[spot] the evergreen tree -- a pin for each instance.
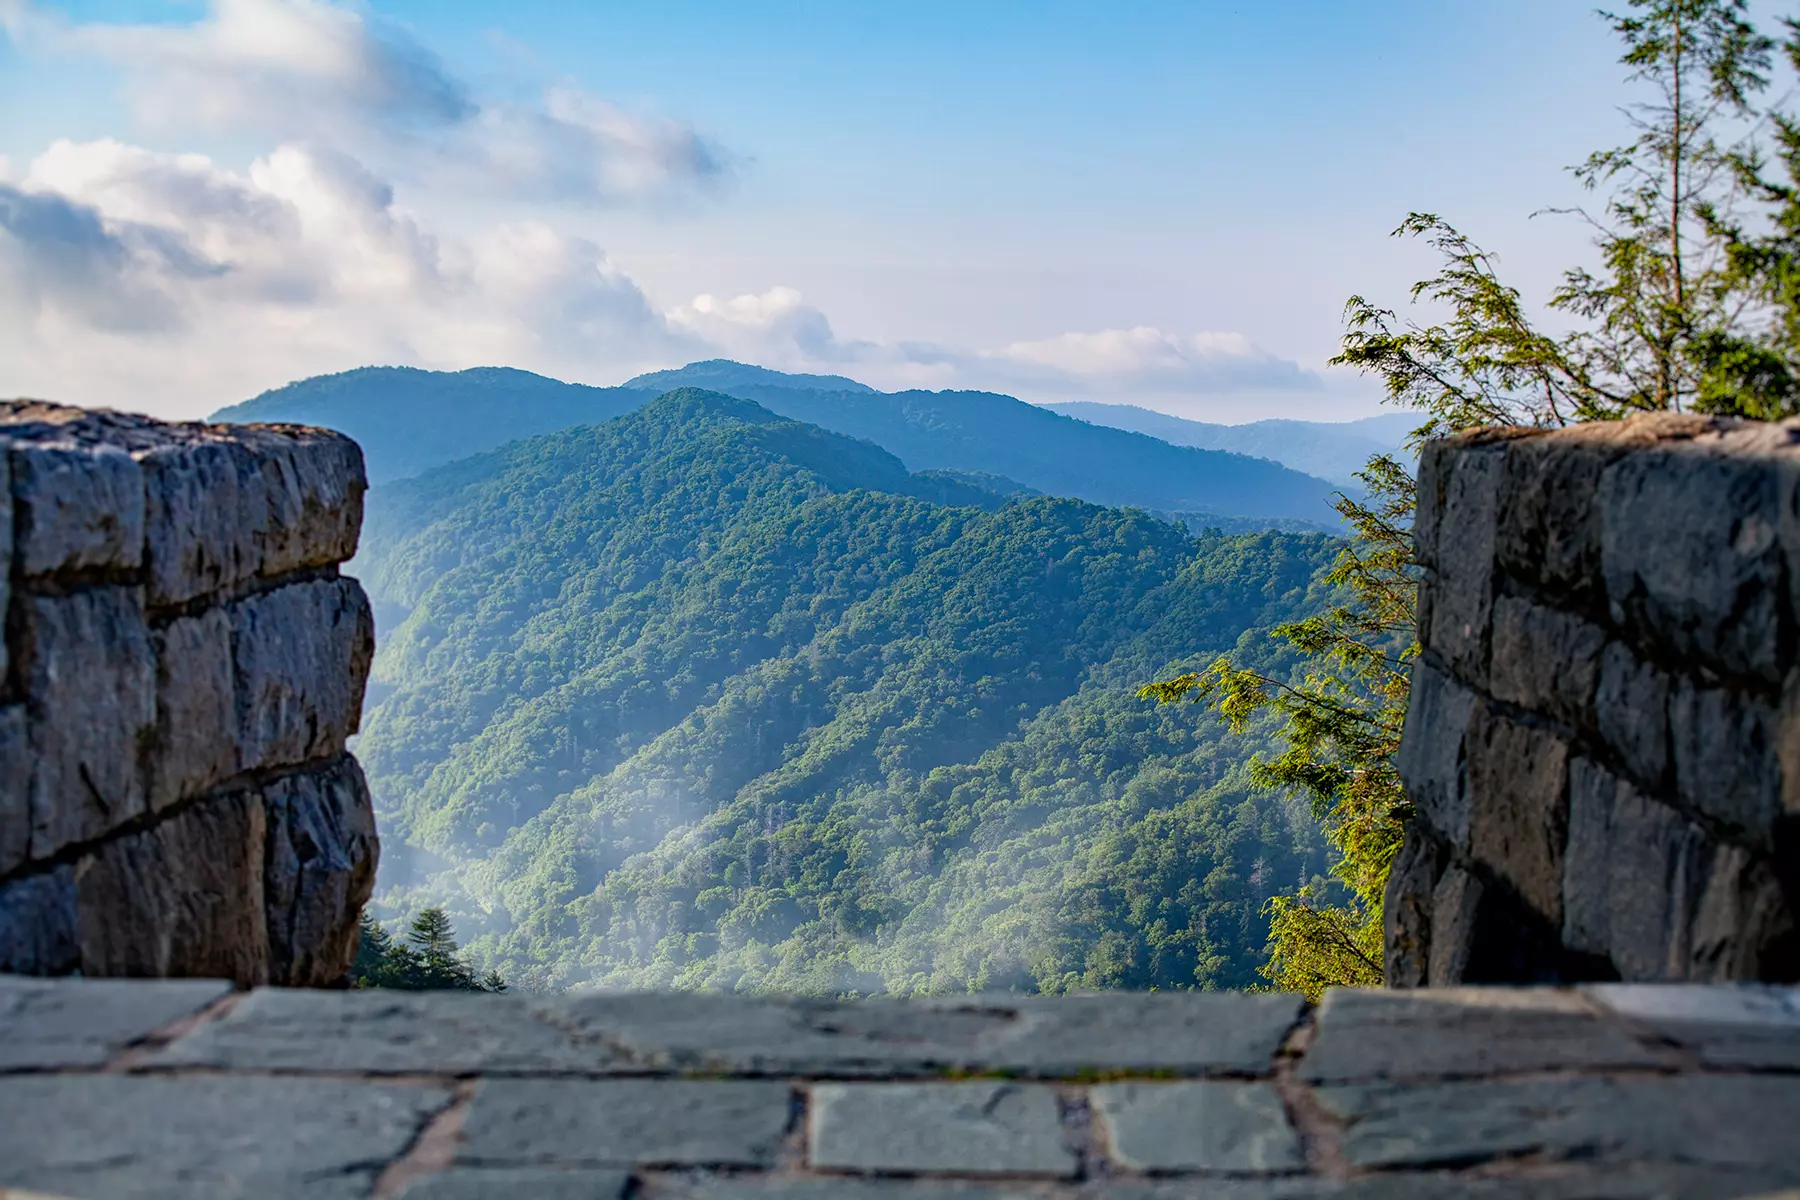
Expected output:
(428, 960)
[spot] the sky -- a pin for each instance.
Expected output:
(1163, 204)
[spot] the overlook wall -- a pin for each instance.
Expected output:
(182, 664)
(1603, 743)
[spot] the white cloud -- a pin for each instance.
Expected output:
(1149, 359)
(167, 282)
(314, 71)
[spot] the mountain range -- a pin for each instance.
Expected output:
(704, 696)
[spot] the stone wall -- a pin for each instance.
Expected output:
(1603, 743)
(182, 664)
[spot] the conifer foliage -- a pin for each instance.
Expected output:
(427, 960)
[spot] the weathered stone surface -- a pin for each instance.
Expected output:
(275, 1029)
(1406, 910)
(1743, 1026)
(1464, 1032)
(183, 897)
(38, 925)
(1632, 875)
(1631, 706)
(85, 1022)
(1455, 905)
(1546, 661)
(78, 508)
(1724, 747)
(1238, 1128)
(972, 1128)
(95, 1135)
(15, 787)
(318, 872)
(201, 515)
(1708, 585)
(91, 700)
(706, 1185)
(1519, 806)
(1746, 926)
(312, 484)
(1456, 593)
(302, 654)
(682, 1122)
(1547, 525)
(196, 709)
(486, 1183)
(1431, 759)
(1728, 1121)
(1044, 1037)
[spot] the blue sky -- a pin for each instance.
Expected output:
(1151, 203)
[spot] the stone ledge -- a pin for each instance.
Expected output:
(186, 1089)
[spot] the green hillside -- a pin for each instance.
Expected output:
(705, 697)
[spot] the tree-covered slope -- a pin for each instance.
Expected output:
(724, 375)
(408, 420)
(705, 697)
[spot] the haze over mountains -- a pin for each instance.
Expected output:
(703, 696)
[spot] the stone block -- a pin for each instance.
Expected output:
(1456, 591)
(1631, 710)
(38, 926)
(1431, 759)
(1464, 1032)
(679, 1122)
(85, 1022)
(972, 1128)
(203, 500)
(15, 787)
(90, 684)
(312, 483)
(1691, 559)
(196, 709)
(1724, 1121)
(183, 897)
(1547, 524)
(1748, 1026)
(1727, 764)
(1518, 790)
(1228, 1127)
(1406, 910)
(318, 872)
(527, 1183)
(392, 1033)
(100, 1135)
(1630, 876)
(1746, 927)
(1047, 1037)
(1455, 905)
(1545, 661)
(302, 654)
(77, 508)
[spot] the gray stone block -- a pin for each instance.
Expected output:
(1406, 911)
(196, 708)
(39, 932)
(972, 1128)
(707, 1185)
(1456, 592)
(1457, 1032)
(91, 699)
(1745, 926)
(1048, 1037)
(1729, 1121)
(1631, 876)
(183, 897)
(378, 1031)
(1431, 759)
(1724, 745)
(1748, 1026)
(125, 1136)
(203, 501)
(1228, 1127)
(1548, 527)
(1518, 795)
(312, 483)
(302, 654)
(682, 1122)
(318, 872)
(480, 1183)
(77, 508)
(85, 1022)
(1691, 558)
(1545, 661)
(15, 787)
(1631, 708)
(1455, 903)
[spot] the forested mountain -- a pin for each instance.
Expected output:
(724, 375)
(1332, 450)
(409, 420)
(706, 697)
